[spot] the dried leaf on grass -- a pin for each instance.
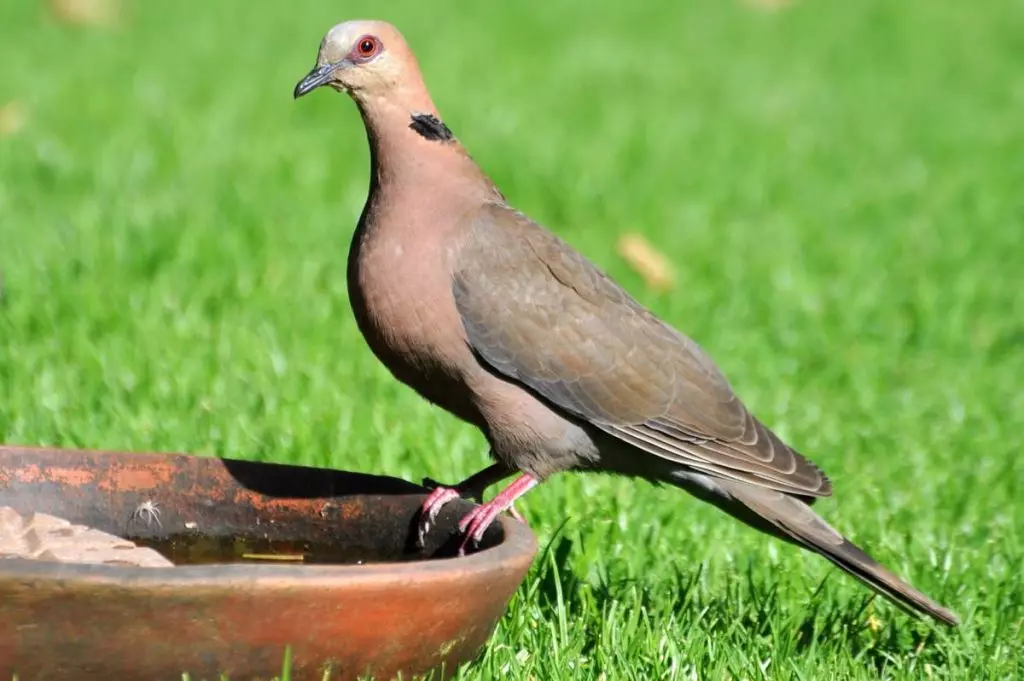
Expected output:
(13, 117)
(768, 5)
(651, 265)
(101, 13)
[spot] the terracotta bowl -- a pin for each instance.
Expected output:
(393, 609)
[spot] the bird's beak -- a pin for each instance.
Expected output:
(317, 77)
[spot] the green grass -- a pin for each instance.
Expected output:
(840, 187)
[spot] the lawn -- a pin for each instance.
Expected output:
(839, 187)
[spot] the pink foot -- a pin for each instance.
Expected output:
(476, 522)
(470, 488)
(438, 497)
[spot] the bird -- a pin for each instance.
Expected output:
(492, 317)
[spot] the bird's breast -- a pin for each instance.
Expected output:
(401, 295)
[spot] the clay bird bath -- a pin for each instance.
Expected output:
(364, 597)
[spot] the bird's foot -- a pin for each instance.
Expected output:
(436, 500)
(475, 495)
(438, 497)
(475, 523)
(440, 494)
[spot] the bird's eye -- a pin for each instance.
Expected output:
(367, 46)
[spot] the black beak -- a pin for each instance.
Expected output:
(317, 77)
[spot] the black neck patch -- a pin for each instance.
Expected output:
(430, 127)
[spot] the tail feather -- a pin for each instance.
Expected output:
(852, 559)
(791, 519)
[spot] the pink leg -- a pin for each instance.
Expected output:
(476, 522)
(472, 487)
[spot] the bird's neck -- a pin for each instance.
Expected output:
(410, 145)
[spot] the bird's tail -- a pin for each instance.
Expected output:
(791, 519)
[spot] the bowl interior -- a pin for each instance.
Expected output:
(200, 510)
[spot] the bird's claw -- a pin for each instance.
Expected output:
(516, 515)
(475, 523)
(438, 497)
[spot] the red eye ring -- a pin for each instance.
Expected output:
(366, 47)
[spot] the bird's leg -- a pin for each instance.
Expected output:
(476, 522)
(471, 488)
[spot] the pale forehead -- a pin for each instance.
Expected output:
(340, 39)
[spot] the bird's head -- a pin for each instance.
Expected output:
(362, 58)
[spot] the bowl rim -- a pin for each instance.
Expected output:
(518, 544)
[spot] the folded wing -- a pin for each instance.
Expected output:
(541, 314)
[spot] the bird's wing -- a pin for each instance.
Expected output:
(539, 313)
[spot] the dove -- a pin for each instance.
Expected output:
(492, 317)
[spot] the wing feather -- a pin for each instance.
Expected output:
(539, 313)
